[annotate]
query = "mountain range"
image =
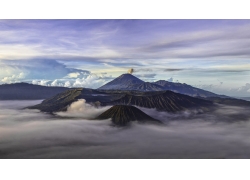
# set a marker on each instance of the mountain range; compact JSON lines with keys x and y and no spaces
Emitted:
{"x":162,"y":100}
{"x":127,"y":91}
{"x":125,"y":82}
{"x":132,"y":83}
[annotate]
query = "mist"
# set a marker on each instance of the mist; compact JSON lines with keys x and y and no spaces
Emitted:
{"x":83,"y":110}
{"x":223,"y":133}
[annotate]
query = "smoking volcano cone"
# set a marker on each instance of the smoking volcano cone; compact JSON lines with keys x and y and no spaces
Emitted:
{"x":123,"y":114}
{"x":121,"y":82}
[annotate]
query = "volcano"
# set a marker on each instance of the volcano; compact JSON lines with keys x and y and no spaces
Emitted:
{"x":122,"y":82}
{"x":123,"y":114}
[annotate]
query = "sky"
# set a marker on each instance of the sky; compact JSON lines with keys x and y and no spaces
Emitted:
{"x":208,"y":54}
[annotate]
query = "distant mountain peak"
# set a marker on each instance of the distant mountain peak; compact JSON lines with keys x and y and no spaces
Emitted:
{"x":129,"y":76}
{"x":122,"y":82}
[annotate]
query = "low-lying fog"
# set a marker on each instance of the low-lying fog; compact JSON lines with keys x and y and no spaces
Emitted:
{"x":224,"y":133}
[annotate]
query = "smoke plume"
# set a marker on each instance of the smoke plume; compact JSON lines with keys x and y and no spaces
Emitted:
{"x":130,"y":71}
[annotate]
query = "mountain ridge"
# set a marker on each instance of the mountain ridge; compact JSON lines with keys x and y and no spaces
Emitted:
{"x":184,"y":88}
{"x":26,"y":91}
{"x":167,"y":101}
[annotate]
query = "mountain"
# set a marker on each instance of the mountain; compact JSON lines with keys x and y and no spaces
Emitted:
{"x":25,"y":91}
{"x":122,"y":114}
{"x":164,"y":101}
{"x":122,"y":82}
{"x":61,"y":101}
{"x":160,"y":100}
{"x":185,"y":89}
{"x":58,"y":102}
{"x":125,"y":82}
{"x":129,"y":82}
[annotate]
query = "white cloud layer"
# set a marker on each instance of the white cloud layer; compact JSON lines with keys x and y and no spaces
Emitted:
{"x":91,"y":81}
{"x":32,"y":134}
{"x":81,"y":109}
{"x":49,"y":73}
{"x":219,"y":88}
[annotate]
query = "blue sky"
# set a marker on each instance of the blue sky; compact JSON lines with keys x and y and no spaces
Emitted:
{"x":209,"y":54}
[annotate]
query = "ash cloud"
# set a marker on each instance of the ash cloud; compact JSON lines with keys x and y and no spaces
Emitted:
{"x":189,"y":134}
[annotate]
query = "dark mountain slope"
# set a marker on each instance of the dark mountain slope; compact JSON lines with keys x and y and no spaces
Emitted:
{"x":161,"y":100}
{"x":146,"y":86}
{"x":61,"y":101}
{"x":122,"y":114}
{"x":167,"y":101}
{"x":25,"y":91}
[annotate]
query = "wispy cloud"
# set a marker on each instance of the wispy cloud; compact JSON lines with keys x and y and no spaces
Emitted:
{"x":172,"y":69}
{"x":39,"y":69}
{"x":183,"y":49}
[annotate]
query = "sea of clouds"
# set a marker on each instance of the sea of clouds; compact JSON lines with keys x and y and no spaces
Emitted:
{"x":223,"y":133}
